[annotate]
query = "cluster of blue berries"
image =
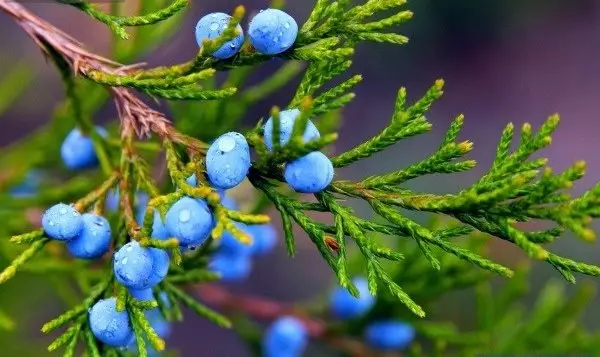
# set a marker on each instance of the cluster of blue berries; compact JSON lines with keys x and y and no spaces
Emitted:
{"x":311,"y":173}
{"x":271,"y":32}
{"x":387,"y":335}
{"x":87,"y":236}
{"x":113,"y":327}
{"x":233,"y":259}
{"x":288,"y":336}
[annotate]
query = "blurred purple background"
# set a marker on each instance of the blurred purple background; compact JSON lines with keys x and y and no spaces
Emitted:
{"x":502,"y":61}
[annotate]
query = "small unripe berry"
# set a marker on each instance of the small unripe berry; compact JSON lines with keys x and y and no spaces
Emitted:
{"x":190,"y":220}
{"x":346,"y":306}
{"x":228,"y":161}
{"x":133,"y":266}
{"x":94,"y":239}
{"x":286,"y":337}
{"x":231,"y":267}
{"x":192,"y":180}
{"x":109,"y":326}
{"x":264,"y":238}
{"x":286,"y":127}
{"x":272,"y":31}
{"x":62,"y":222}
{"x":212,"y":26}
{"x":389,"y":335}
{"x":309,"y":174}
{"x":78,"y":151}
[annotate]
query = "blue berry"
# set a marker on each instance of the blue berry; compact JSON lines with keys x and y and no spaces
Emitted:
{"x":109,"y":326}
{"x":231,"y":246}
{"x":62,"y":222}
{"x":160,"y":265}
{"x":346,"y":306}
{"x":78,"y":151}
{"x":192,"y":180}
{"x":286,"y":337}
{"x":286,"y":126}
{"x":142,"y":294}
{"x":228,"y":161}
{"x":264,"y":238}
{"x":190,"y":220}
{"x":389,"y":335}
{"x":112,"y":200}
{"x":272,"y":32}
{"x":133,"y":266}
{"x":231,"y":267}
{"x":29,"y":186}
{"x":141,"y":202}
{"x":309,"y":174}
{"x":94,"y":239}
{"x":159,"y":230}
{"x":212,"y":26}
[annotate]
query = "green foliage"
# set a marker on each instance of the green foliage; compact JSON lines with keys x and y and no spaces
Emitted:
{"x":409,"y":276}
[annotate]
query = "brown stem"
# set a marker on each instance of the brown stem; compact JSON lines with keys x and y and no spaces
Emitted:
{"x":136,"y":116}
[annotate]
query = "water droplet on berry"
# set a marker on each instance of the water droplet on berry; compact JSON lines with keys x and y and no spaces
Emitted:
{"x":94,"y":233}
{"x":124,"y":261}
{"x":286,"y":25}
{"x":261,"y":10}
{"x":226,"y":144}
{"x":214,"y":26}
{"x":185,"y":215}
{"x":214,"y":16}
{"x":280,"y":34}
{"x":129,"y":249}
{"x":51,"y":223}
{"x":275,"y":39}
{"x":63,"y":211}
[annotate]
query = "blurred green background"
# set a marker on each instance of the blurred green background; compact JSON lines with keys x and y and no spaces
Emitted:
{"x":503,"y":60}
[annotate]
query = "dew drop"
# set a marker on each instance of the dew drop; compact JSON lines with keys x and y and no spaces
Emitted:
{"x":75,"y":214}
{"x":185,"y":215}
{"x":286,"y":25}
{"x":63,"y":211}
{"x":51,"y":223}
{"x":232,"y":45}
{"x":214,"y":16}
{"x":214,"y":26}
{"x":124,"y":261}
{"x":129,"y":249}
{"x":275,"y":39}
{"x":226,"y":144}
{"x":280,"y":34}
{"x":261,"y":10}
{"x":94,"y":233}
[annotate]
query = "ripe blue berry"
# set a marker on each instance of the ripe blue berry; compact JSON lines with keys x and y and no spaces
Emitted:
{"x":142,"y":200}
{"x":94,"y":239}
{"x":389,"y":335}
{"x":190,"y":220}
{"x":109,"y":326}
{"x":286,"y":337}
{"x":160,"y":265}
{"x":62,"y":222}
{"x":264,"y":238}
{"x":192,"y":180}
{"x":212,"y":26}
{"x":309,"y":174}
{"x":286,"y":126}
{"x":159,"y":230}
{"x":231,"y":246}
{"x":231,"y":267}
{"x":142,"y":295}
{"x":228,"y":161}
{"x":133,"y":266}
{"x":272,"y":31}
{"x":346,"y":306}
{"x":78,"y":151}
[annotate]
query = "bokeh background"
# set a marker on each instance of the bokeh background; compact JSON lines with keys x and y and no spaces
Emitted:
{"x":503,"y":60}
